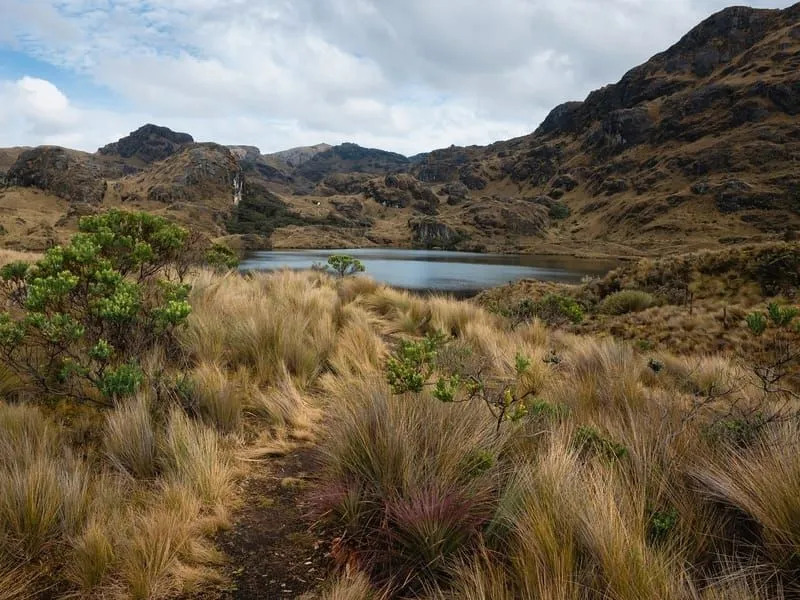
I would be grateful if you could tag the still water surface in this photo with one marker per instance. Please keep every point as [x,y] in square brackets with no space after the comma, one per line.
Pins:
[438,270]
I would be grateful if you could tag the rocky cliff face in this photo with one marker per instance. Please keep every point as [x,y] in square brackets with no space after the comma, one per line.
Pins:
[708,128]
[68,174]
[697,147]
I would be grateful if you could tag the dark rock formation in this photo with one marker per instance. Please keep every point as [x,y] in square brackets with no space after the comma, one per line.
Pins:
[148,144]
[430,233]
[457,193]
[71,175]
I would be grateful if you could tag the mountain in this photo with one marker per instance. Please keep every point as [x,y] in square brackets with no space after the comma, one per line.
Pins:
[294,157]
[696,148]
[148,144]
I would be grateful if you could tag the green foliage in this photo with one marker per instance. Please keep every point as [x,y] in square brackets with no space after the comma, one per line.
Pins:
[344,265]
[121,381]
[542,409]
[781,316]
[553,309]
[589,440]
[409,369]
[660,524]
[626,301]
[645,345]
[756,323]
[739,431]
[655,365]
[559,211]
[88,310]
[221,258]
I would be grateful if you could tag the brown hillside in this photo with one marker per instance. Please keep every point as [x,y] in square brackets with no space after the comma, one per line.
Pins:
[696,148]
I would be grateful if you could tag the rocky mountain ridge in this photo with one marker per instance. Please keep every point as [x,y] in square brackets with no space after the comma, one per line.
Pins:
[697,147]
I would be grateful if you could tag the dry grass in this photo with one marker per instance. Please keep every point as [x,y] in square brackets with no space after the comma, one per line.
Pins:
[9,256]
[610,487]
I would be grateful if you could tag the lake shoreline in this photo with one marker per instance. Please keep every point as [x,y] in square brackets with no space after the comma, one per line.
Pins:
[463,274]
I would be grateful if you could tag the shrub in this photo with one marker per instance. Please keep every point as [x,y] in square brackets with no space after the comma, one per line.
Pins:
[589,440]
[626,301]
[85,312]
[344,265]
[221,257]
[553,309]
[559,211]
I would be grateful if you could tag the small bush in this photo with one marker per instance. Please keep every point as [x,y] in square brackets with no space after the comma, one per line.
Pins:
[344,265]
[553,309]
[626,301]
[589,440]
[559,211]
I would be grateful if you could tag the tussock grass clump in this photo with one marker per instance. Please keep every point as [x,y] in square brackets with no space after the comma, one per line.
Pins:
[422,468]
[218,397]
[131,439]
[626,301]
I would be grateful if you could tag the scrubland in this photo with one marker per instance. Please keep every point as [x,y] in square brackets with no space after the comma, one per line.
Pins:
[615,470]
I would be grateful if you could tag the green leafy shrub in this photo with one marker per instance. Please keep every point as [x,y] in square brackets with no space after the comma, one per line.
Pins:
[553,309]
[409,369]
[660,524]
[344,265]
[81,317]
[559,211]
[589,440]
[626,301]
[221,257]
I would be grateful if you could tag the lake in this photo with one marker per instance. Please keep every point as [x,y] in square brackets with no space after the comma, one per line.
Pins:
[439,270]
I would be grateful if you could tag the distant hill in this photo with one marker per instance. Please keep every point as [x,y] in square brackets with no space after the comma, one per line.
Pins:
[698,147]
[295,157]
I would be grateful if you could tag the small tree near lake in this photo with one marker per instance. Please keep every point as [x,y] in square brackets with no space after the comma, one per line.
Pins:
[344,265]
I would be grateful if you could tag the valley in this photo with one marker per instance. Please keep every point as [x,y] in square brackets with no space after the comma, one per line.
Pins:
[564,366]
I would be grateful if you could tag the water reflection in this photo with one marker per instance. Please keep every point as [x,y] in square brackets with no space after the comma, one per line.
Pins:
[437,270]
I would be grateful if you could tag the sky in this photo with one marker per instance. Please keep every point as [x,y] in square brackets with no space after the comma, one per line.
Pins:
[402,75]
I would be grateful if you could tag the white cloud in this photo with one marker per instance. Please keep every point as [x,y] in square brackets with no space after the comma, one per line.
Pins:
[407,75]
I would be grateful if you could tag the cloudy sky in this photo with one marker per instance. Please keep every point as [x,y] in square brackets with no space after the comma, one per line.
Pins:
[404,75]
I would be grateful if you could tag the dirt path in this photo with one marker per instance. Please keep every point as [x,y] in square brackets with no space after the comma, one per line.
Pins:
[274,548]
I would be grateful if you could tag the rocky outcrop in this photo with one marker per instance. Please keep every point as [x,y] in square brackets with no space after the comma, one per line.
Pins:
[430,233]
[148,144]
[399,190]
[201,172]
[343,183]
[69,174]
[296,157]
[457,193]
[515,216]
[349,213]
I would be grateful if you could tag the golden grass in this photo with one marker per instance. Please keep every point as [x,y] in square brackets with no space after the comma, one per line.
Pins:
[9,256]
[434,500]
